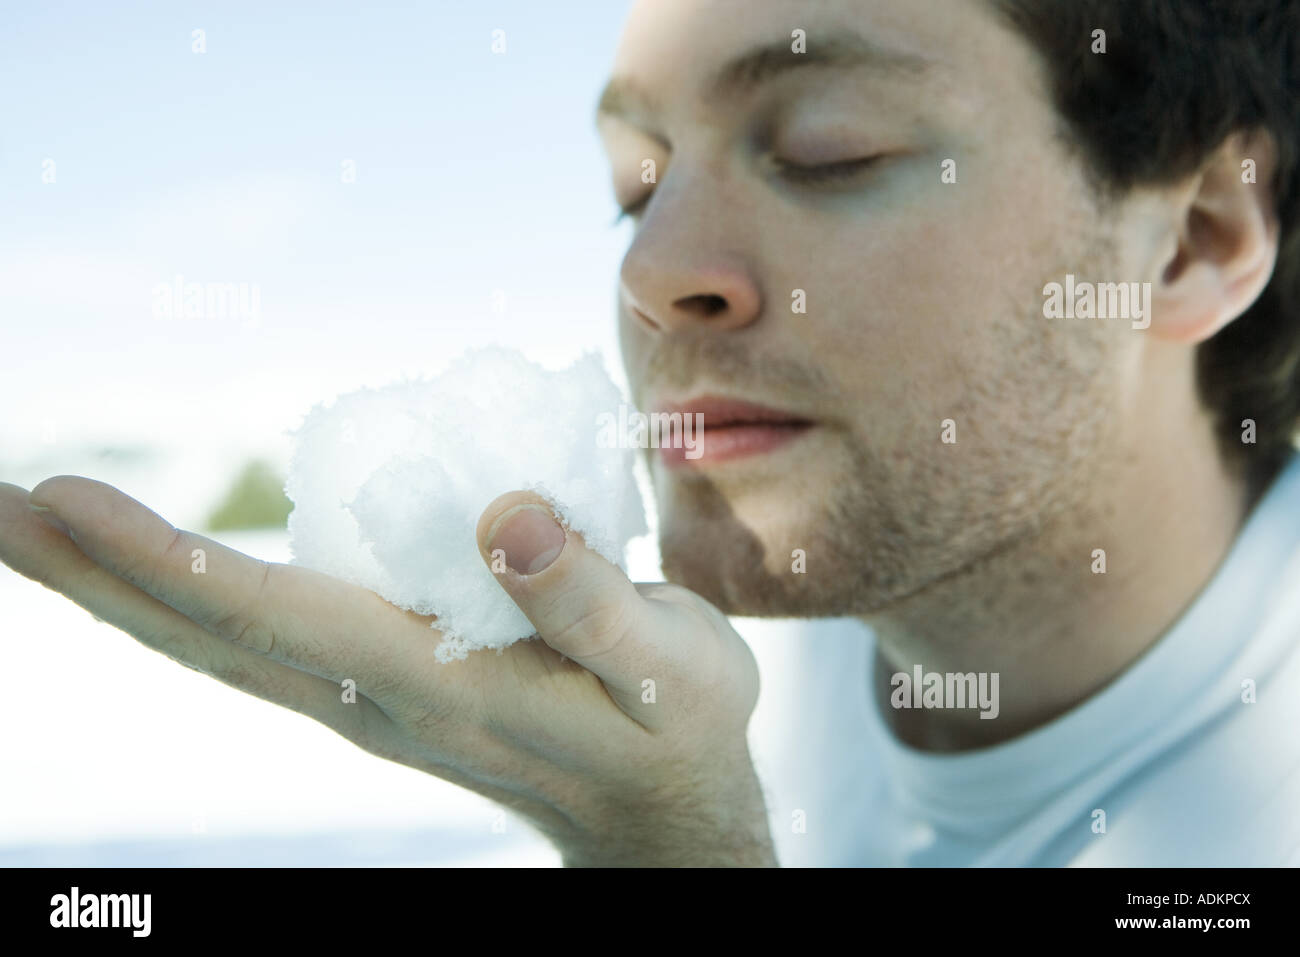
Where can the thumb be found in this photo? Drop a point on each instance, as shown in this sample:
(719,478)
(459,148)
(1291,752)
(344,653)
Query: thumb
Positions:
(581,605)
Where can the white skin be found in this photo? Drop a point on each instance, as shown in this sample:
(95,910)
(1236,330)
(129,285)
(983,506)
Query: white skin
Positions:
(925,304)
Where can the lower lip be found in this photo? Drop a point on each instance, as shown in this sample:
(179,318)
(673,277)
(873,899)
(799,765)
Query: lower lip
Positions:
(729,443)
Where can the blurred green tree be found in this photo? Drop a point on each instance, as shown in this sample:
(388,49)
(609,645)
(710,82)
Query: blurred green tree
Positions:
(255,500)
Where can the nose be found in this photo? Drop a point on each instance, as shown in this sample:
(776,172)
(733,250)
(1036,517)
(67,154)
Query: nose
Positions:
(684,269)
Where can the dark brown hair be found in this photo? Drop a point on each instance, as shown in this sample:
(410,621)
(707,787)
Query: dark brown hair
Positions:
(1177,78)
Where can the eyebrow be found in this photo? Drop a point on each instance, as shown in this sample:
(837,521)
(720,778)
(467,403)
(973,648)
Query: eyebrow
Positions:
(623,96)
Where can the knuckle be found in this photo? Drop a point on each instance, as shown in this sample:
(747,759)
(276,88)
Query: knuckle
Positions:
(248,626)
(596,630)
(435,716)
(368,731)
(183,652)
(702,612)
(446,717)
(666,592)
(256,636)
(148,571)
(392,689)
(176,549)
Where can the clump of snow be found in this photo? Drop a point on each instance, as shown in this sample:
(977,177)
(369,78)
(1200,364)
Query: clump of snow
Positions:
(388,484)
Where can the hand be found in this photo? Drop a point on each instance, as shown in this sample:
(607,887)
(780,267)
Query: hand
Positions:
(563,730)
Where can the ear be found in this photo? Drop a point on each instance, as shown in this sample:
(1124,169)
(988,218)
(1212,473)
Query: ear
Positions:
(1223,243)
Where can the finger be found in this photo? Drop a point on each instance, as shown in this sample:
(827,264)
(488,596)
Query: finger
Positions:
(33,548)
(581,605)
(292,615)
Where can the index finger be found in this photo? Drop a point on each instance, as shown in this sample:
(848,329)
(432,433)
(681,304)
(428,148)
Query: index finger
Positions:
(289,614)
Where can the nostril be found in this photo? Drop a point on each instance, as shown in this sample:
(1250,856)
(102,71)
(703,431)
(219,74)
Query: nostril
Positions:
(707,305)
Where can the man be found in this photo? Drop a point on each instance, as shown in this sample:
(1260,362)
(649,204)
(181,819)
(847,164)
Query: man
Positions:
(857,226)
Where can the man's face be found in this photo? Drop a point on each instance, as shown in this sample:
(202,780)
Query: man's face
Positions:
(824,172)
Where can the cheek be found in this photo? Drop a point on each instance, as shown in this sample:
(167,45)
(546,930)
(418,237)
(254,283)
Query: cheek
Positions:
(944,300)
(915,316)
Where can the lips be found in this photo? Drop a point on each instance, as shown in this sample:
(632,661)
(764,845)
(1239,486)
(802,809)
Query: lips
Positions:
(731,429)
(722,413)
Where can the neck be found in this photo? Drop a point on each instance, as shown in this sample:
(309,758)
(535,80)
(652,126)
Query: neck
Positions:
(1040,613)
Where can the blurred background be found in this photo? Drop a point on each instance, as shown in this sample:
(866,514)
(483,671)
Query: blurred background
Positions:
(213,216)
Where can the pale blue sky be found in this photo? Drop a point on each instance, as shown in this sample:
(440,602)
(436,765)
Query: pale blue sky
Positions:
(474,172)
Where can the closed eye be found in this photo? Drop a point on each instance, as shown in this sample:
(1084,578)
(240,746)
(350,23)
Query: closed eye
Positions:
(822,174)
(825,173)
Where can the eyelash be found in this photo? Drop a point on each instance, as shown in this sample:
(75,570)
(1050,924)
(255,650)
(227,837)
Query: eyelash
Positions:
(821,175)
(826,172)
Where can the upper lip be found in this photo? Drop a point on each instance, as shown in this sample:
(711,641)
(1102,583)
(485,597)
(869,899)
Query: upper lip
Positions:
(720,412)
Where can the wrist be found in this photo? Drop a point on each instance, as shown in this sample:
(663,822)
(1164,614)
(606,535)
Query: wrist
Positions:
(678,826)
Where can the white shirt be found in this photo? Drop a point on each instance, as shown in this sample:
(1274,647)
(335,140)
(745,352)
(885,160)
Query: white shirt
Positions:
(1184,770)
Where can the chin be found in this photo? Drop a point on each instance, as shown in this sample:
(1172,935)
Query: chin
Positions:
(747,574)
(731,537)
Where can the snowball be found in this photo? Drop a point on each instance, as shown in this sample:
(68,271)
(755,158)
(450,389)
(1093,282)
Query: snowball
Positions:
(388,484)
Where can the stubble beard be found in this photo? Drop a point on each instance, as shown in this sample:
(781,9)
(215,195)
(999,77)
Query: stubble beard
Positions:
(1036,431)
